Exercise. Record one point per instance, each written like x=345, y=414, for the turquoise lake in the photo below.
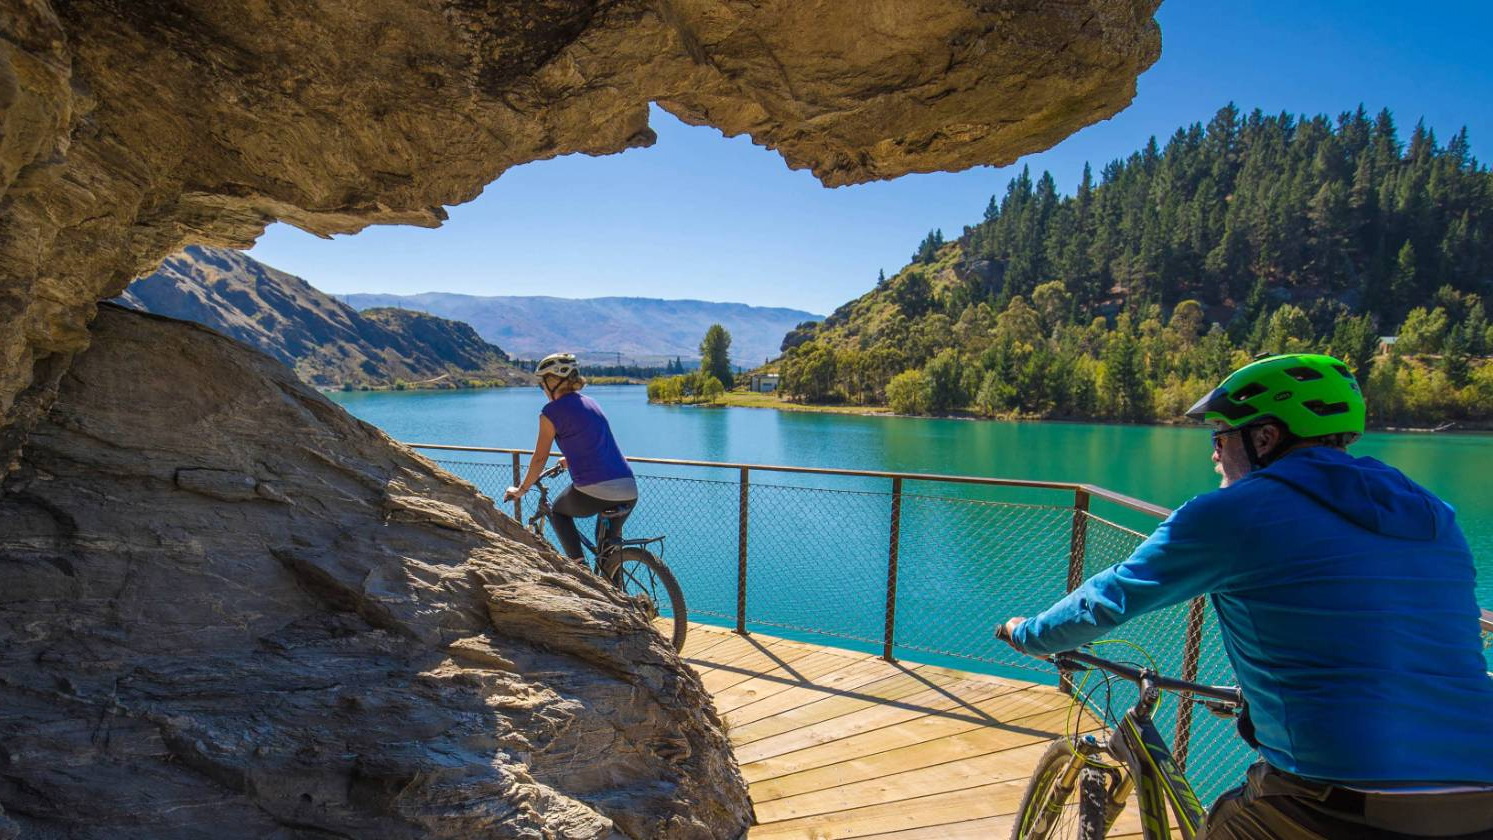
x=1161, y=464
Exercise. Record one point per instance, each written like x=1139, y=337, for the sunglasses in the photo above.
x=1217, y=434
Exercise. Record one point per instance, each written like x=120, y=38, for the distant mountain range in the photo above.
x=637, y=330
x=327, y=343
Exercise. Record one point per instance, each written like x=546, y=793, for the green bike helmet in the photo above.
x=1310, y=394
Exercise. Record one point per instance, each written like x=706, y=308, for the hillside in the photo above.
x=1132, y=297
x=641, y=330
x=326, y=342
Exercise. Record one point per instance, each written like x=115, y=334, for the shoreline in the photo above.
x=738, y=399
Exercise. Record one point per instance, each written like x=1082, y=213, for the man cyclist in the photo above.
x=1344, y=595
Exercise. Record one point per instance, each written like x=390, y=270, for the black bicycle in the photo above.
x=1081, y=783
x=628, y=564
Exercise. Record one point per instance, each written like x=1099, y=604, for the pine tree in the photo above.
x=1402, y=285
x=1456, y=357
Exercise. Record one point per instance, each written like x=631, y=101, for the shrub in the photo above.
x=908, y=392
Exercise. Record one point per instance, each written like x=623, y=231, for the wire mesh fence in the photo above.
x=916, y=569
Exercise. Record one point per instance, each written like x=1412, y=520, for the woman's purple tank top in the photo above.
x=585, y=439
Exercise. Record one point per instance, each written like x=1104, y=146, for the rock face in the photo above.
x=212, y=629
x=327, y=342
x=130, y=130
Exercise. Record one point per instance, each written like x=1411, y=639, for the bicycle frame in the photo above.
x=616, y=544
x=1160, y=785
x=542, y=511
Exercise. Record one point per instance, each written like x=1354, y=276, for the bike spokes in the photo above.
x=636, y=580
x=650, y=584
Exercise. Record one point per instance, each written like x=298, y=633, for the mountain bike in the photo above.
x=628, y=564
x=1081, y=783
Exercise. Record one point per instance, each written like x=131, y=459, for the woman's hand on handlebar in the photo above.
x=512, y=493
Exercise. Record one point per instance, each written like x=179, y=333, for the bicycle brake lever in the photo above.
x=1220, y=709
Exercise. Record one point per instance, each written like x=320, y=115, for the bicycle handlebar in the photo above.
x=1222, y=693
x=1075, y=660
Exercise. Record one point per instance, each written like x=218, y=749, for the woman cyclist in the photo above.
x=600, y=476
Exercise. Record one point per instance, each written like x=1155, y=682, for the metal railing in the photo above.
x=899, y=563
x=911, y=562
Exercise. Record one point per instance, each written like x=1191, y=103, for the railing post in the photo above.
x=890, y=636
x=1077, y=547
x=1192, y=649
x=741, y=558
x=518, y=505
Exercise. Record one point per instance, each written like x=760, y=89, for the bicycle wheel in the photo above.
x=1051, y=811
x=644, y=577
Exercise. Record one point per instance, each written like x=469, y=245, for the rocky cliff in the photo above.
x=213, y=629
x=325, y=341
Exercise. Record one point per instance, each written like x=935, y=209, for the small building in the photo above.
x=764, y=383
x=1387, y=344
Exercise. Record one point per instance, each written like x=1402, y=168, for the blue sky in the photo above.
x=702, y=216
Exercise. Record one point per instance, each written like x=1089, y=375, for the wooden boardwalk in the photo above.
x=838, y=744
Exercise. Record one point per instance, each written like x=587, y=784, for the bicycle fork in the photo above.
x=1117, y=785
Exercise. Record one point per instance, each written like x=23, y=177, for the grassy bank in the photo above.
x=748, y=399
x=742, y=399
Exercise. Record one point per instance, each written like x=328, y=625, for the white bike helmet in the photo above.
x=562, y=365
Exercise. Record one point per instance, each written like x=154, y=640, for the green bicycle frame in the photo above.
x=1159, y=783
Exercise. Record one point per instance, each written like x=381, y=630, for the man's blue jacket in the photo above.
x=1344, y=593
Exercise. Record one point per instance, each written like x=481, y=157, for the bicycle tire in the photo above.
x=1042, y=794
x=639, y=573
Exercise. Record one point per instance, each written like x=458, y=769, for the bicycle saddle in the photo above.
x=617, y=510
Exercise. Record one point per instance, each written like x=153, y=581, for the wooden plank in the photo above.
x=699, y=640
x=852, y=677
x=807, y=672
x=990, y=800
x=904, y=748
x=836, y=744
x=867, y=718
x=726, y=652
x=1006, y=765
x=729, y=650
x=739, y=656
x=895, y=686
x=983, y=829
x=752, y=667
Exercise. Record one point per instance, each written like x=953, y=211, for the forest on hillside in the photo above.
x=1132, y=297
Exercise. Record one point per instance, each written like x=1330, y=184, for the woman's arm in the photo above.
x=536, y=464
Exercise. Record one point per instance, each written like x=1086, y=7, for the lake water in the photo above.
x=1161, y=464
x=969, y=556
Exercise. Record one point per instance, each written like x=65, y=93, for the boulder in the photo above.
x=232, y=609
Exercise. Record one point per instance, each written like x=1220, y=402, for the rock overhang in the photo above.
x=133, y=129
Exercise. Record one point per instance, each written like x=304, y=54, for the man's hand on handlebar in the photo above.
x=1006, y=632
x=512, y=493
